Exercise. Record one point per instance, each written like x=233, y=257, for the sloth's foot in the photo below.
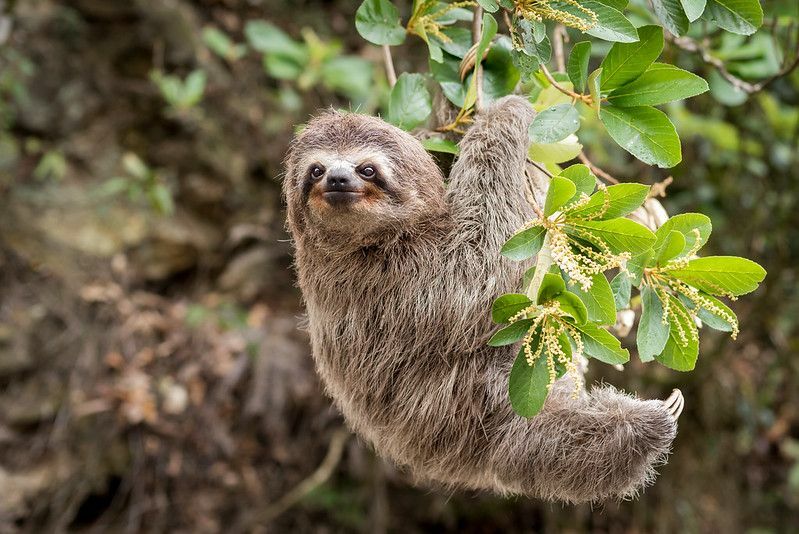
x=675, y=403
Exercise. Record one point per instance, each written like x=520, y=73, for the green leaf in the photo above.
x=508, y=305
x=267, y=38
x=721, y=275
x=653, y=333
x=637, y=264
x=621, y=286
x=660, y=84
x=671, y=14
x=679, y=355
x=686, y=223
x=525, y=244
x=551, y=286
x=611, y=25
x=743, y=17
x=627, y=61
x=489, y=31
x=622, y=199
x=709, y=318
x=560, y=191
x=348, y=75
x=460, y=41
x=602, y=345
x=584, y=181
x=489, y=5
x=528, y=386
x=644, y=132
x=527, y=277
x=577, y=67
x=669, y=248
x=554, y=124
x=565, y=150
x=571, y=304
x=409, y=104
x=598, y=300
x=436, y=144
x=511, y=333
x=378, y=22
x=693, y=8
x=619, y=235
x=533, y=38
x=594, y=88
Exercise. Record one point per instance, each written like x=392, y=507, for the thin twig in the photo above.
x=658, y=189
x=539, y=167
x=691, y=45
x=558, y=37
x=301, y=490
x=596, y=170
x=576, y=96
x=477, y=33
x=391, y=74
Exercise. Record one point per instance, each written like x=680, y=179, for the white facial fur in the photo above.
x=348, y=160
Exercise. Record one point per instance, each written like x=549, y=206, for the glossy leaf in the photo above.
x=508, y=305
x=644, y=132
x=669, y=248
x=620, y=235
x=554, y=124
x=511, y=333
x=653, y=333
x=627, y=61
x=743, y=17
x=525, y=244
x=409, y=104
x=686, y=223
x=623, y=199
x=621, y=286
x=672, y=15
x=679, y=354
x=584, y=181
x=571, y=304
x=598, y=300
x=560, y=191
x=551, y=286
x=528, y=386
x=602, y=345
x=660, y=84
x=577, y=67
x=722, y=274
x=378, y=22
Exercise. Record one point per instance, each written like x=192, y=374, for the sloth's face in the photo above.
x=356, y=187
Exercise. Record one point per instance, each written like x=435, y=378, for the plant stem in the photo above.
x=391, y=74
x=542, y=264
x=477, y=32
x=559, y=87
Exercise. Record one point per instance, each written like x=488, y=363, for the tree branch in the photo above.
x=596, y=170
x=691, y=45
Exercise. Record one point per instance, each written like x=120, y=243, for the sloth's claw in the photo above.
x=675, y=403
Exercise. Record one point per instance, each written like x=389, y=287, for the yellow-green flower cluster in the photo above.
x=548, y=320
x=581, y=262
x=701, y=301
x=542, y=10
x=428, y=24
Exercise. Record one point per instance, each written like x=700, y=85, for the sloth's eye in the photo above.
x=367, y=171
x=317, y=171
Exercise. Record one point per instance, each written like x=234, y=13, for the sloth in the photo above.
x=398, y=270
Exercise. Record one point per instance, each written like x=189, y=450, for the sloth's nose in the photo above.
x=337, y=181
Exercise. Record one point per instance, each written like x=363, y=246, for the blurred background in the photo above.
x=152, y=378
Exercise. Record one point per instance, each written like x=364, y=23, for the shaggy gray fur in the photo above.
x=398, y=291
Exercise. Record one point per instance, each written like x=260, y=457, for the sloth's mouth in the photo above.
x=341, y=198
